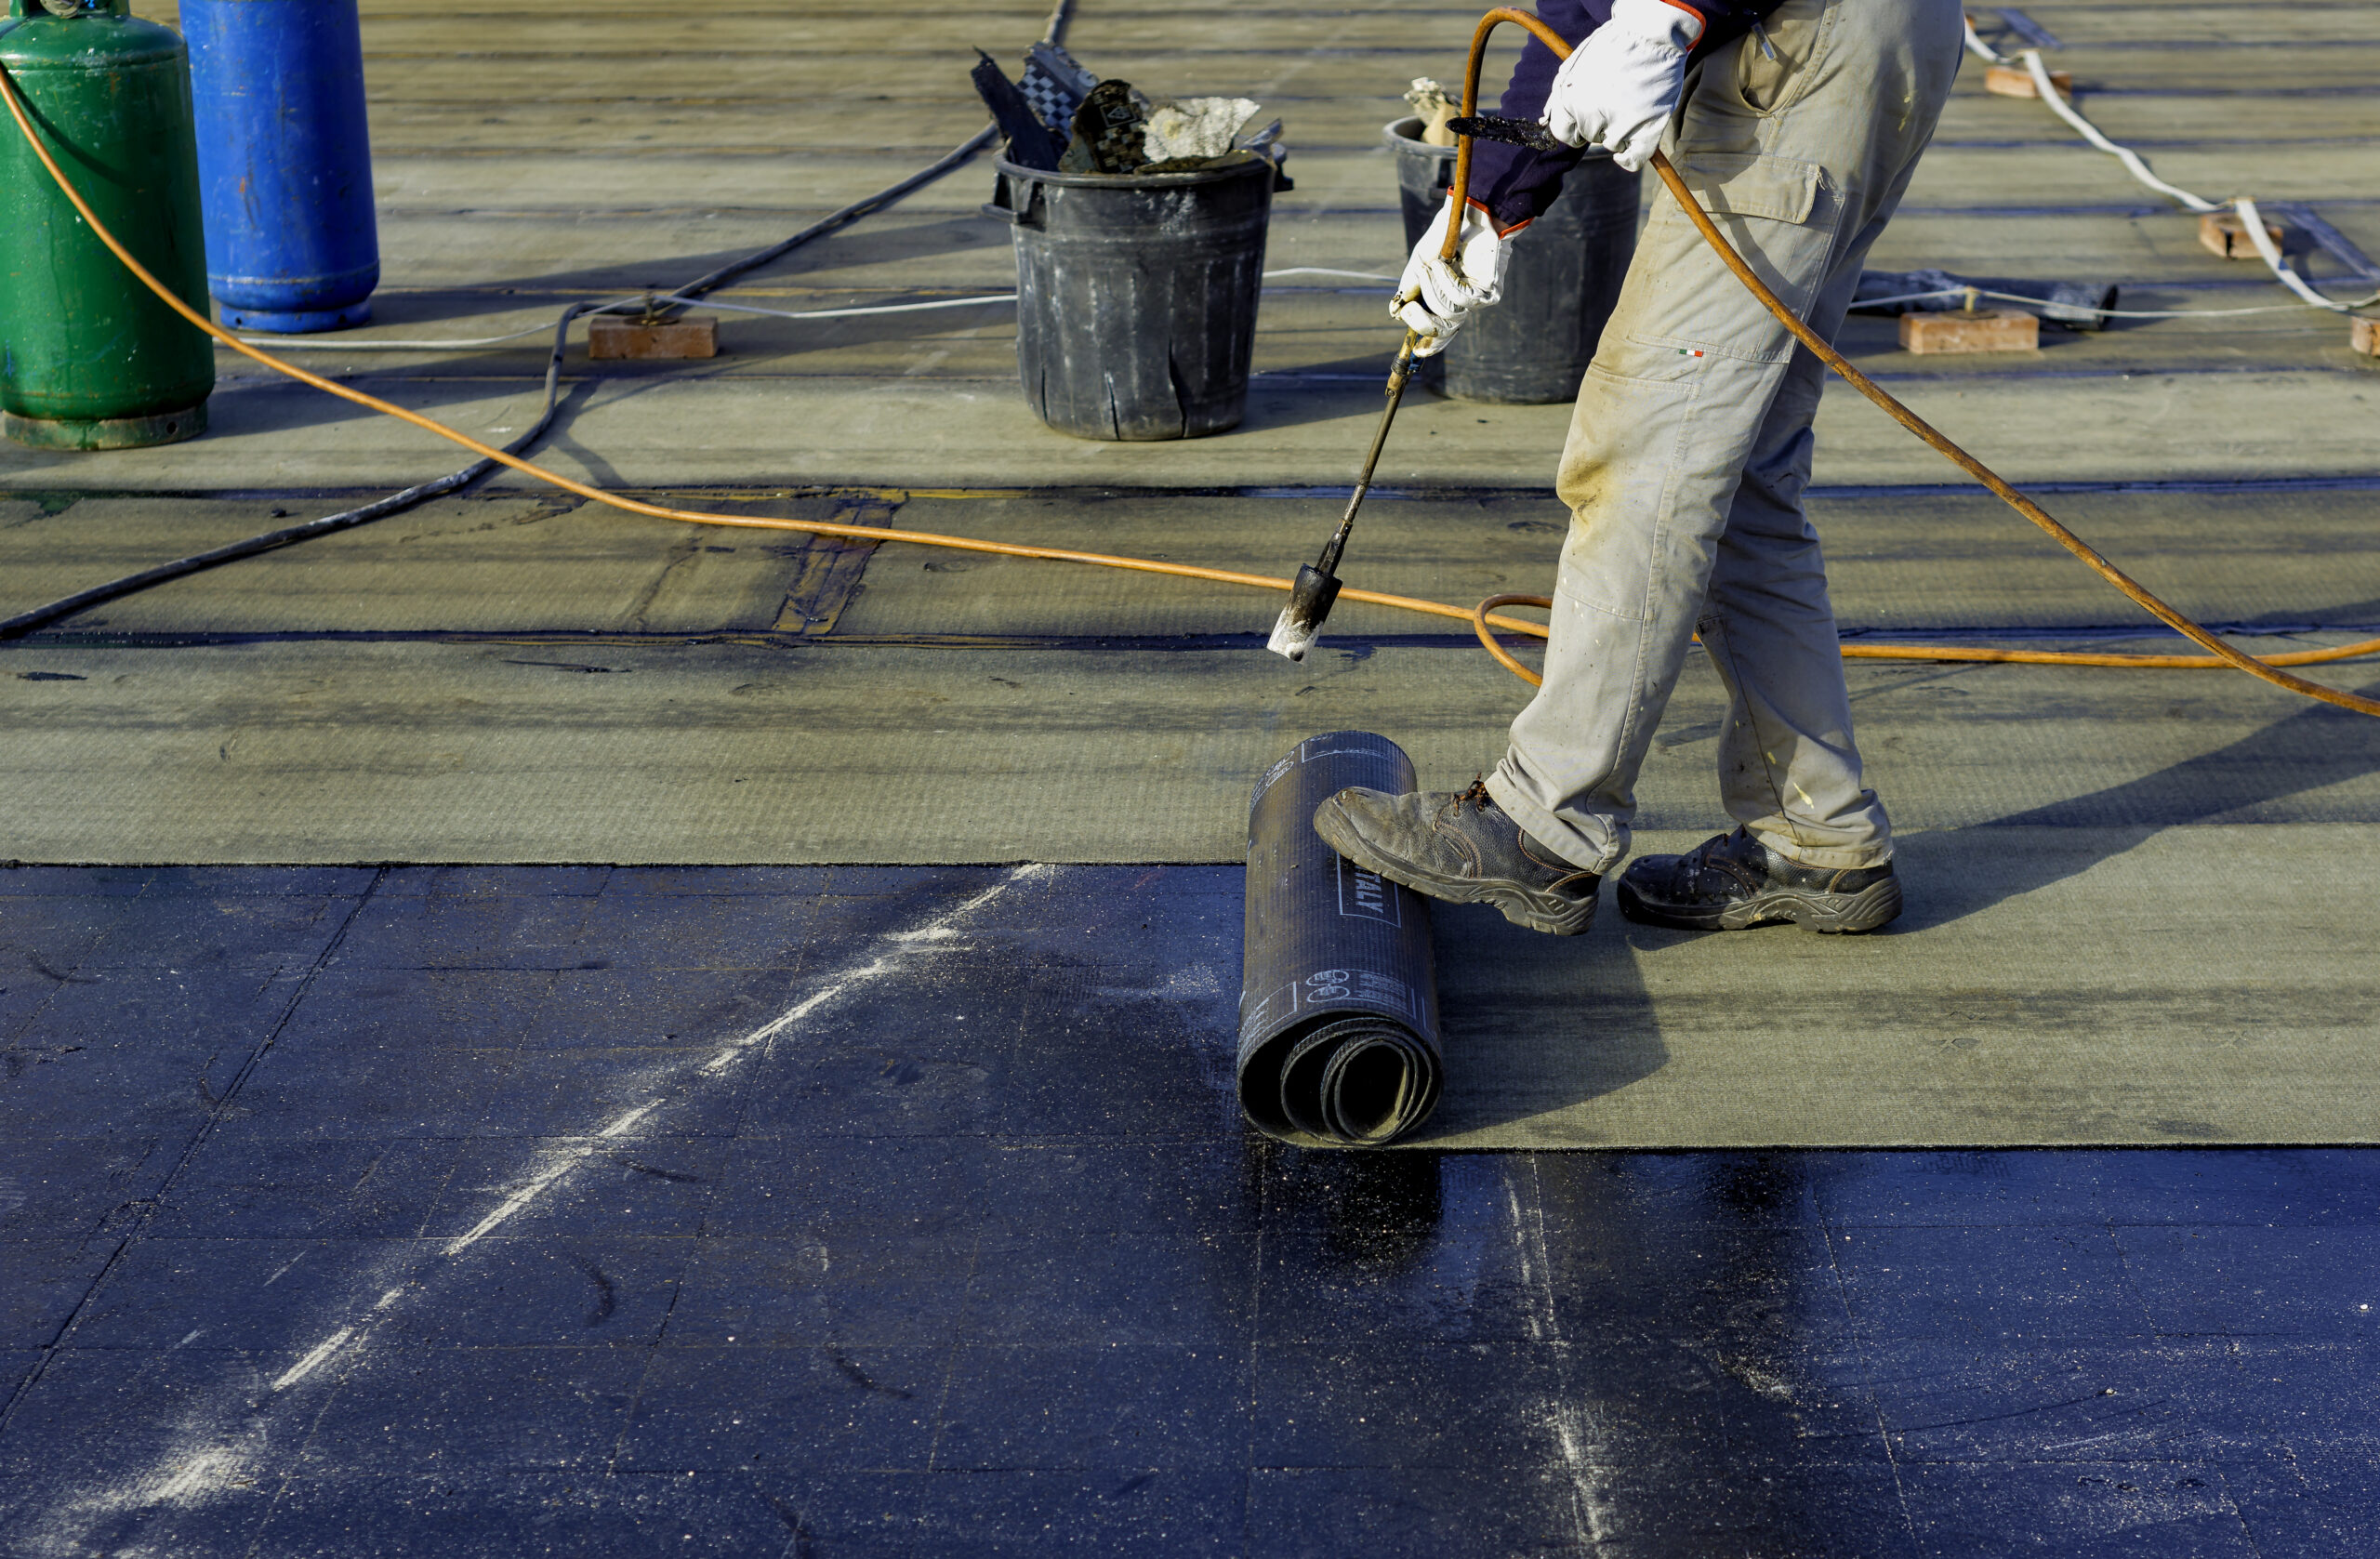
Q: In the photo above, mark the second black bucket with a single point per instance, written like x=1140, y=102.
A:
x=1560, y=280
x=1136, y=295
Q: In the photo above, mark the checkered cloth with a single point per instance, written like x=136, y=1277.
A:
x=1054, y=86
x=1111, y=129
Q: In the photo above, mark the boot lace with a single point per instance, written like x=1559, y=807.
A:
x=1476, y=794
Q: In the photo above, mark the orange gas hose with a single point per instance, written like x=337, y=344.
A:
x=1482, y=624
x=1479, y=616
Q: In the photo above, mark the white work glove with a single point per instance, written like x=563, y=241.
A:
x=1619, y=88
x=1435, y=296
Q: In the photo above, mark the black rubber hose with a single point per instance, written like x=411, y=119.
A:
x=82, y=600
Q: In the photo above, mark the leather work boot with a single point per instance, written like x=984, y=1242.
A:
x=1459, y=845
x=1733, y=880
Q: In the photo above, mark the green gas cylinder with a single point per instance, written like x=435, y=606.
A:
x=89, y=358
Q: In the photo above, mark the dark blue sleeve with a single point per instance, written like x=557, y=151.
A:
x=1516, y=184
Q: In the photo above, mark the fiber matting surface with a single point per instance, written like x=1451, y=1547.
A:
x=529, y=750
x=2046, y=986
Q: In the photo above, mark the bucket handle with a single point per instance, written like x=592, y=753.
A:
x=1026, y=216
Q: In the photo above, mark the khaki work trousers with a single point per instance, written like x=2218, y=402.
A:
x=1691, y=441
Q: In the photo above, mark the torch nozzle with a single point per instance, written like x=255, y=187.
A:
x=1300, y=621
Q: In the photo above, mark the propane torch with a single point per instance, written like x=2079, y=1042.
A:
x=1317, y=582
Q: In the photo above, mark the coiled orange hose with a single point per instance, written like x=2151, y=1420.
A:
x=1479, y=616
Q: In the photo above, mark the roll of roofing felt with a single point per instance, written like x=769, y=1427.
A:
x=1338, y=998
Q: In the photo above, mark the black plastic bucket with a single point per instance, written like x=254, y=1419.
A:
x=1136, y=295
x=1560, y=280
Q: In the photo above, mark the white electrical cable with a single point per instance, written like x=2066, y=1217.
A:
x=485, y=341
x=281, y=344
x=843, y=314
x=2084, y=307
x=1860, y=303
x=2159, y=313
x=1325, y=270
x=613, y=307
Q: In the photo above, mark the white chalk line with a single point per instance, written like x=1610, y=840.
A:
x=314, y=1359
x=618, y=1126
x=729, y=1054
x=1572, y=1432
x=198, y=1478
x=941, y=929
x=202, y=1465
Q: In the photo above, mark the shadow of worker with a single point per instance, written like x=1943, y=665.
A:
x=1535, y=1024
x=2291, y=772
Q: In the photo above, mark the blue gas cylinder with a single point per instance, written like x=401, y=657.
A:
x=284, y=162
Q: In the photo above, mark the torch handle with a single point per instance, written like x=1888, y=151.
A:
x=1461, y=190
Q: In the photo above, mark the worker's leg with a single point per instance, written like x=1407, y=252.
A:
x=1789, y=770
x=1800, y=159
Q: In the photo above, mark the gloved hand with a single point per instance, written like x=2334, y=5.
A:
x=1619, y=88
x=1434, y=296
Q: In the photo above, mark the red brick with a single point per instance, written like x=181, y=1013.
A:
x=1958, y=331
x=615, y=335
x=2224, y=233
x=2015, y=81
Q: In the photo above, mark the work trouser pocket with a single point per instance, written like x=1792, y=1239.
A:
x=1753, y=184
x=1683, y=311
x=1766, y=80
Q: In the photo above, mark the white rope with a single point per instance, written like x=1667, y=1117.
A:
x=2266, y=250
x=1980, y=49
x=2258, y=236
